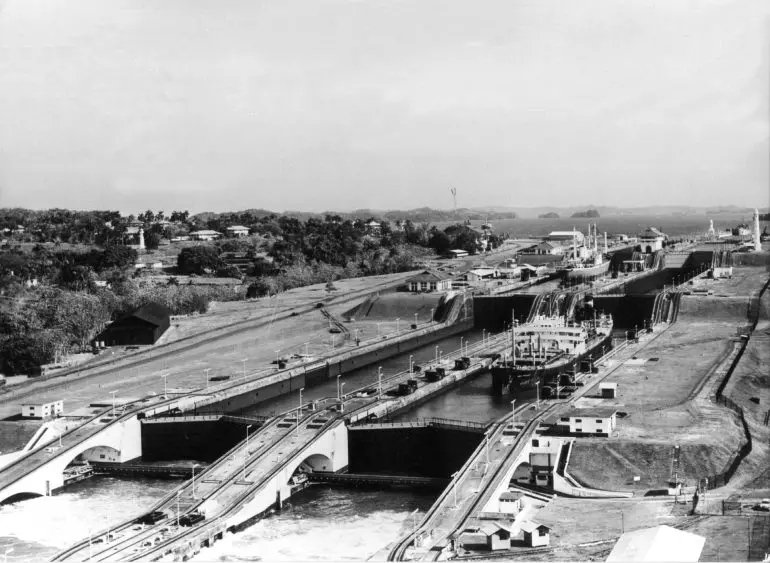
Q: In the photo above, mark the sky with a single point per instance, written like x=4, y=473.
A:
x=342, y=104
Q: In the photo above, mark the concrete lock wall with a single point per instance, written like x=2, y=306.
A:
x=351, y=361
x=202, y=440
x=417, y=452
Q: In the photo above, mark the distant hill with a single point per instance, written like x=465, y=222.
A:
x=587, y=214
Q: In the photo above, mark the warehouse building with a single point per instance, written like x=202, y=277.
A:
x=143, y=326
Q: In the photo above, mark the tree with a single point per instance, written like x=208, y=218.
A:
x=116, y=256
x=229, y=271
x=439, y=241
x=259, y=288
x=152, y=240
x=198, y=260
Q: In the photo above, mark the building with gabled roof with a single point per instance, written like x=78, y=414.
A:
x=651, y=239
x=237, y=231
x=143, y=326
x=429, y=280
x=535, y=534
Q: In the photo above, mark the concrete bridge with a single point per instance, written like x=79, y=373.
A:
x=40, y=472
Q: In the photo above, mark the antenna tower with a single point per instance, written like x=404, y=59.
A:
x=454, y=197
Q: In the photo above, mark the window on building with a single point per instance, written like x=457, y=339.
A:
x=542, y=532
x=578, y=429
x=599, y=421
x=578, y=420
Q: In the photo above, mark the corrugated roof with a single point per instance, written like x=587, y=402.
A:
x=596, y=412
x=428, y=276
x=531, y=526
x=152, y=313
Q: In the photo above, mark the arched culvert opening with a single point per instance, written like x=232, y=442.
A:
x=19, y=497
x=522, y=474
x=316, y=463
x=81, y=467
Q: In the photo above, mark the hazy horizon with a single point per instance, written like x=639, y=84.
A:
x=383, y=104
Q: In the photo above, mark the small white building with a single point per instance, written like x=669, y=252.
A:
x=535, y=534
x=429, y=280
x=458, y=253
x=546, y=247
x=42, y=410
x=661, y=543
x=237, y=231
x=509, y=502
x=651, y=239
x=205, y=235
x=373, y=228
x=589, y=422
x=608, y=389
x=481, y=274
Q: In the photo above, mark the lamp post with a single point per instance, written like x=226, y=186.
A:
x=486, y=444
x=379, y=382
x=277, y=357
x=165, y=387
x=431, y=314
x=193, y=479
x=414, y=518
x=243, y=363
x=177, y=507
x=461, y=345
x=436, y=354
x=537, y=387
x=306, y=354
x=339, y=390
x=342, y=397
x=247, y=438
x=113, y=401
x=398, y=325
x=454, y=487
x=300, y=401
x=513, y=411
x=415, y=320
x=207, y=377
x=411, y=365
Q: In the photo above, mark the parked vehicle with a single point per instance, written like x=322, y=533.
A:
x=152, y=517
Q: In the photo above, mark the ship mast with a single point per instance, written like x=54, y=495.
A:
x=513, y=337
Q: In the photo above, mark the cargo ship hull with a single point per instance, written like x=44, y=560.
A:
x=583, y=273
x=527, y=373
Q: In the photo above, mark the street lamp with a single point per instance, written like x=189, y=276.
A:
x=193, y=479
x=243, y=362
x=300, y=401
x=513, y=411
x=431, y=314
x=398, y=325
x=177, y=506
x=113, y=401
x=165, y=387
x=411, y=365
x=454, y=487
x=537, y=387
x=247, y=438
x=436, y=354
x=415, y=320
x=379, y=380
x=414, y=518
x=461, y=345
x=207, y=377
x=342, y=395
x=486, y=443
x=339, y=390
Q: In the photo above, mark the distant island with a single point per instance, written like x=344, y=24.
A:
x=587, y=214
x=549, y=215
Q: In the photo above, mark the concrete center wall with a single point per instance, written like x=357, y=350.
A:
x=351, y=361
x=418, y=452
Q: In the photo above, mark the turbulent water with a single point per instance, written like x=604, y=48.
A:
x=38, y=528
x=323, y=524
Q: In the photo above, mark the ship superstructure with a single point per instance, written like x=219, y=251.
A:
x=584, y=261
x=548, y=346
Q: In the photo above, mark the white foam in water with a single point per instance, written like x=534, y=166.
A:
x=280, y=538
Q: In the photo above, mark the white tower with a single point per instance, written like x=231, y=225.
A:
x=141, y=238
x=757, y=240
x=711, y=232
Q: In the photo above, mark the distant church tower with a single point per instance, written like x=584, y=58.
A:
x=757, y=240
x=141, y=238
